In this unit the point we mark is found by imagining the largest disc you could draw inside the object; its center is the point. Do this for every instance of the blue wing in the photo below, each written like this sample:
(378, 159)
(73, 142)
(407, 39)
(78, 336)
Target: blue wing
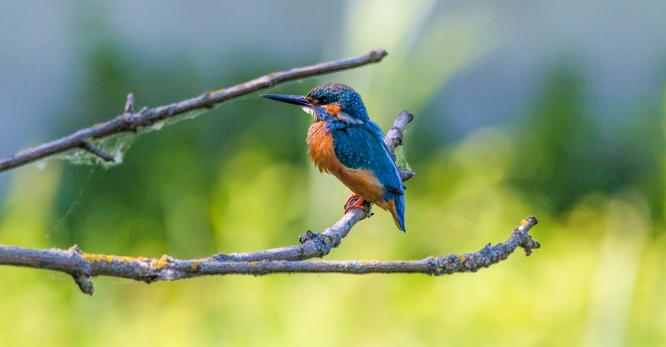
(362, 146)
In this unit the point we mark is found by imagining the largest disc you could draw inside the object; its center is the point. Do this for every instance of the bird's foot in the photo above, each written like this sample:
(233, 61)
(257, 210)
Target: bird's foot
(360, 203)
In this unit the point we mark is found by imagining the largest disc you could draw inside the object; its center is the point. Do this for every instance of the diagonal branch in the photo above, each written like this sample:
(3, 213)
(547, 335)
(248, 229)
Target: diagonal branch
(131, 121)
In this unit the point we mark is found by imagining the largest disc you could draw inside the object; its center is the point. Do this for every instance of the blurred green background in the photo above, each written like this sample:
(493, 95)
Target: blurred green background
(548, 108)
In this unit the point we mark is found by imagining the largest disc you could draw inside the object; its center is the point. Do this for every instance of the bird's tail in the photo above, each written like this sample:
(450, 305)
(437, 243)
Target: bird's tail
(398, 211)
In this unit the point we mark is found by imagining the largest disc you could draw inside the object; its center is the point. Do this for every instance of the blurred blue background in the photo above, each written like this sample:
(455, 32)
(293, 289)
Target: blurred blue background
(548, 108)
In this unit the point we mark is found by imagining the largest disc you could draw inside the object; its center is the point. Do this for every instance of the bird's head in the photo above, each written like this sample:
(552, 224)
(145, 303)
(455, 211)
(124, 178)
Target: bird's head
(330, 102)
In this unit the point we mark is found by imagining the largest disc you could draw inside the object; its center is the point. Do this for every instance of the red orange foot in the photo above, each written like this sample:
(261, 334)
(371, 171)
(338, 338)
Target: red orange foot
(358, 202)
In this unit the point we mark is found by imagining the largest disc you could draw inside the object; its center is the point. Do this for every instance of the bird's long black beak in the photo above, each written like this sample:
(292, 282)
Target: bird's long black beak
(290, 99)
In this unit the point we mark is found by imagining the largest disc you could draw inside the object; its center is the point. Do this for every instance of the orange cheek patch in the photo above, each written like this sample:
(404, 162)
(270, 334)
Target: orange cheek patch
(333, 108)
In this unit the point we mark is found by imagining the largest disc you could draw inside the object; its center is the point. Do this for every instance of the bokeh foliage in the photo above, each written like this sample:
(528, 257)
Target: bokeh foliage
(237, 178)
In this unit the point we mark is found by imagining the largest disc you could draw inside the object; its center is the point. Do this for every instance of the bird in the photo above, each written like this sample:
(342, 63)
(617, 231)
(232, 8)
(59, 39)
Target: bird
(342, 140)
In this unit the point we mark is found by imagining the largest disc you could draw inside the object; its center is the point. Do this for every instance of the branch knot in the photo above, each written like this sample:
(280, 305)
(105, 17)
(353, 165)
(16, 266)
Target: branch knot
(320, 241)
(81, 270)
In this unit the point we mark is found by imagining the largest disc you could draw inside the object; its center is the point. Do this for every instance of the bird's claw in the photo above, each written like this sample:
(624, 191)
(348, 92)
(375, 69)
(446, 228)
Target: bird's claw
(360, 203)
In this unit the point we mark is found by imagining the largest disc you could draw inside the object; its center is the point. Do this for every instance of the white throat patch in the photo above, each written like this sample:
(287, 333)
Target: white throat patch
(341, 116)
(310, 111)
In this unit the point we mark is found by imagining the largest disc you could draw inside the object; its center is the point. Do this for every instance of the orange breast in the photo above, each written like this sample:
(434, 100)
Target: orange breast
(360, 181)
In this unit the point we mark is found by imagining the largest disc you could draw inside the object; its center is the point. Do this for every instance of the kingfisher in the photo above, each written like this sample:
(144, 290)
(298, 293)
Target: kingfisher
(342, 140)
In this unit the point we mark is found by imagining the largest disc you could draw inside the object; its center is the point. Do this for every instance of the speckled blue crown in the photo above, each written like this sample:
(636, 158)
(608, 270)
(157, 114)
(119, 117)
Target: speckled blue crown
(350, 101)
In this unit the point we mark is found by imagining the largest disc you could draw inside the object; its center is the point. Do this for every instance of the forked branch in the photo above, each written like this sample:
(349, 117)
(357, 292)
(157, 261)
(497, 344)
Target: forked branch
(83, 266)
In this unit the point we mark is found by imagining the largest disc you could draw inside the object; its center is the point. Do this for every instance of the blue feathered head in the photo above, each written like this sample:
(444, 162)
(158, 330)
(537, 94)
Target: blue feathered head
(332, 102)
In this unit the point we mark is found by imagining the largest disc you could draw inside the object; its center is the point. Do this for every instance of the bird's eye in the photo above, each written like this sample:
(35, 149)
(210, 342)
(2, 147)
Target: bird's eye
(313, 100)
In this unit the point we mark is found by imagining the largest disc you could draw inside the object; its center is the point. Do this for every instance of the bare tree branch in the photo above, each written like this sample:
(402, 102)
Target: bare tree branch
(131, 121)
(84, 265)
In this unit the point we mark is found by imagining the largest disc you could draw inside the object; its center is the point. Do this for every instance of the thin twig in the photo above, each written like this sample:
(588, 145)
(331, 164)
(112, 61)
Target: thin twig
(130, 121)
(83, 265)
(394, 138)
(97, 150)
(129, 104)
